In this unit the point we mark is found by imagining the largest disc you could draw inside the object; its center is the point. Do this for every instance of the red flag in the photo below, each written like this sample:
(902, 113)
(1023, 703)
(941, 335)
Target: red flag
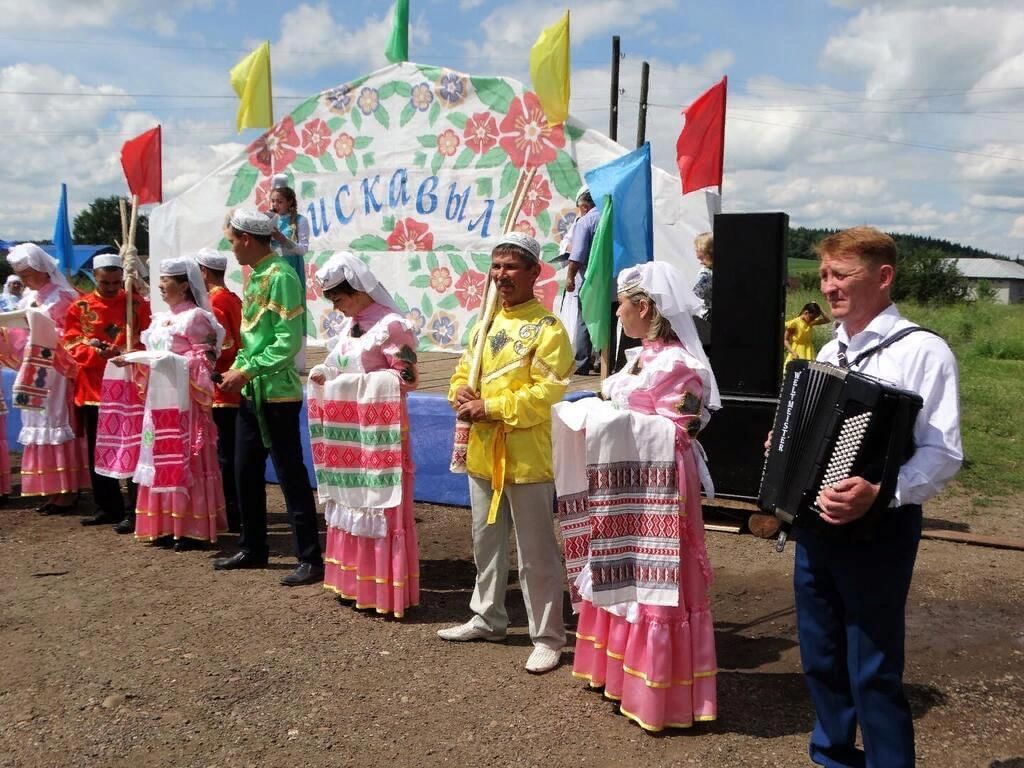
(700, 150)
(140, 158)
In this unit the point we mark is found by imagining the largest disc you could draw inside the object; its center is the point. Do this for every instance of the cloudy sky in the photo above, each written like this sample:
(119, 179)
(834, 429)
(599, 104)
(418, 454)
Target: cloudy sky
(907, 114)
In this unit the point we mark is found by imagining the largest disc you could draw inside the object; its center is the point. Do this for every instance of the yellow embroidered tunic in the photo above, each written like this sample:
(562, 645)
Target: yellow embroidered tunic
(526, 367)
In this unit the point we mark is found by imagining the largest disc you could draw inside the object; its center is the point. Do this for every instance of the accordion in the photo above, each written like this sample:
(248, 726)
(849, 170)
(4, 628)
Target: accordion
(833, 423)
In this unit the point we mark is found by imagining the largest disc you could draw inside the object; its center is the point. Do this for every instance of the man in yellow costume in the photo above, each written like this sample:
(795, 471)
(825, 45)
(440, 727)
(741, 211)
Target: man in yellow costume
(526, 366)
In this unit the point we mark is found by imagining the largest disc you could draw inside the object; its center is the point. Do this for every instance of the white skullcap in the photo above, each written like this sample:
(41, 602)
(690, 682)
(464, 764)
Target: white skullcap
(343, 267)
(107, 261)
(253, 222)
(211, 259)
(279, 180)
(523, 241)
(584, 190)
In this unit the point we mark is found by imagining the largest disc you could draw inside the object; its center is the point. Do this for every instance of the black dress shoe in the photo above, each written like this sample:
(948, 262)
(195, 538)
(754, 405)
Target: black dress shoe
(101, 518)
(306, 573)
(127, 525)
(239, 560)
(187, 545)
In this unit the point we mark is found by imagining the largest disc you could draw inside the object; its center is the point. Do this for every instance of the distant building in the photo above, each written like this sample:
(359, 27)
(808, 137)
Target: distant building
(1004, 277)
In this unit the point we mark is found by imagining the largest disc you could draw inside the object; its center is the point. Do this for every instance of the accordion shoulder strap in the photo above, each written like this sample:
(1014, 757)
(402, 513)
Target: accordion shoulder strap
(889, 342)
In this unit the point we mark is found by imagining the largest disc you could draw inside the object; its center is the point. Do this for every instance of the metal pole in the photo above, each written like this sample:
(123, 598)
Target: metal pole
(641, 120)
(613, 117)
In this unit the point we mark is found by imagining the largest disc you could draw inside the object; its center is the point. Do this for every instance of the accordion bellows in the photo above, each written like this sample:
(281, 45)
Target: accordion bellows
(833, 423)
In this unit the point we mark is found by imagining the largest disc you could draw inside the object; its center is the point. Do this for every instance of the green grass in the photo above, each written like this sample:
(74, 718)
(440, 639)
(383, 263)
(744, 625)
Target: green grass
(988, 341)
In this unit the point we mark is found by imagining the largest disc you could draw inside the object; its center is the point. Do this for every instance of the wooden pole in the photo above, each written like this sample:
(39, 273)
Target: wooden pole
(129, 287)
(721, 159)
(613, 116)
(124, 222)
(641, 120)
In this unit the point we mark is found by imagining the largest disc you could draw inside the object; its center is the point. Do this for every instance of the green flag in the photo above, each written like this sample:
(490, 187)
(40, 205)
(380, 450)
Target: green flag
(596, 291)
(398, 43)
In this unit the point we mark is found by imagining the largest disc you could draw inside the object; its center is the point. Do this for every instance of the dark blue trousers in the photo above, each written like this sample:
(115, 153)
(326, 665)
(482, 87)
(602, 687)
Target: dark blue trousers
(250, 470)
(851, 599)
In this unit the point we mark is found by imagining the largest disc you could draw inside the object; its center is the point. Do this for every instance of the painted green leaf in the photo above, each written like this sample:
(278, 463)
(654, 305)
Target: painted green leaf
(408, 113)
(484, 186)
(352, 164)
(368, 160)
(419, 159)
(564, 175)
(401, 303)
(431, 73)
(369, 243)
(435, 112)
(458, 119)
(305, 109)
(428, 308)
(420, 281)
(322, 258)
(494, 92)
(308, 189)
(328, 162)
(236, 276)
(481, 261)
(357, 119)
(448, 302)
(242, 186)
(415, 264)
(509, 177)
(335, 123)
(223, 245)
(403, 89)
(427, 140)
(303, 164)
(386, 91)
(574, 132)
(504, 212)
(310, 325)
(388, 224)
(363, 142)
(432, 261)
(549, 252)
(358, 82)
(436, 163)
(458, 263)
(493, 158)
(464, 159)
(382, 116)
(445, 247)
(543, 224)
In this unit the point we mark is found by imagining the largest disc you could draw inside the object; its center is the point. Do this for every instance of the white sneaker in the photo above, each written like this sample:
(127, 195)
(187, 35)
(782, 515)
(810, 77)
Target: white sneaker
(467, 632)
(543, 659)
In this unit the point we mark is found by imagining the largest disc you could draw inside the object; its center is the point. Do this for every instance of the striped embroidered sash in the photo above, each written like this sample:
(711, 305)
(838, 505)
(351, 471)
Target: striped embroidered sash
(119, 426)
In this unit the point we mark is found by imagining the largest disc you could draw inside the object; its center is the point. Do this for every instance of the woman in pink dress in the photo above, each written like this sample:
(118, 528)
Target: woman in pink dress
(658, 662)
(54, 462)
(194, 514)
(372, 553)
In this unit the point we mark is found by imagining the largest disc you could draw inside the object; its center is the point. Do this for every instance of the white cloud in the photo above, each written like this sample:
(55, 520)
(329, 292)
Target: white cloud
(468, 5)
(1017, 230)
(997, 202)
(20, 16)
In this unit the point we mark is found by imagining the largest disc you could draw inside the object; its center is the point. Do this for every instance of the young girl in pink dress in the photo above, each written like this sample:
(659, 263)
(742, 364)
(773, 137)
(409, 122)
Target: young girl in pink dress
(195, 514)
(54, 462)
(372, 555)
(658, 662)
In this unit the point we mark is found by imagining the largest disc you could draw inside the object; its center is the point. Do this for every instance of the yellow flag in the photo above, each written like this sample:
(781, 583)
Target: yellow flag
(251, 80)
(549, 70)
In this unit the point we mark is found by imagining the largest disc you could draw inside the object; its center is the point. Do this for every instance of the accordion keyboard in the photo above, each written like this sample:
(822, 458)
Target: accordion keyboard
(847, 446)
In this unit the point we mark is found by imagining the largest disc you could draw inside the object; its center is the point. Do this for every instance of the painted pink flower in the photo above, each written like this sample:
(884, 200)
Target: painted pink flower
(469, 289)
(526, 228)
(546, 287)
(274, 151)
(447, 142)
(313, 289)
(316, 137)
(410, 235)
(441, 279)
(344, 145)
(538, 196)
(263, 190)
(481, 133)
(526, 135)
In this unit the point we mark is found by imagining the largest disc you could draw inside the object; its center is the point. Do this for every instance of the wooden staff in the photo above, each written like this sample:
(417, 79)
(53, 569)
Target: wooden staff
(128, 286)
(488, 308)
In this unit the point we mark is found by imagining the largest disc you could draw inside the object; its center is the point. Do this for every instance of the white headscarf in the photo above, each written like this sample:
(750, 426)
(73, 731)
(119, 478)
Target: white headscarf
(186, 265)
(344, 267)
(32, 256)
(677, 303)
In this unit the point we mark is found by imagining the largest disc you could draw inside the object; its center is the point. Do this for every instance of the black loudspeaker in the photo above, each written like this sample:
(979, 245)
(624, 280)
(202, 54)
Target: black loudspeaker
(748, 302)
(734, 442)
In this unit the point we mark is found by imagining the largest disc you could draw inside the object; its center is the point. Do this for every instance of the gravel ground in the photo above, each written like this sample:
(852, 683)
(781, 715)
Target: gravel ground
(122, 654)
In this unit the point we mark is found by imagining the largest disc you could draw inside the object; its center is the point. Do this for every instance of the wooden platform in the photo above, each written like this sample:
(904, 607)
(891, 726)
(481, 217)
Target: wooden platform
(436, 369)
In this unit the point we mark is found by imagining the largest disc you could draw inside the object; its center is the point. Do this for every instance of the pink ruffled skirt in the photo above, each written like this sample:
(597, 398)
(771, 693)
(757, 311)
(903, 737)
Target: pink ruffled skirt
(200, 514)
(382, 574)
(5, 458)
(48, 470)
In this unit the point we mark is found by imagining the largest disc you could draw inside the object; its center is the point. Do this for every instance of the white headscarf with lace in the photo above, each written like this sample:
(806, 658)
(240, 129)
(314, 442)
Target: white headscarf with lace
(344, 267)
(677, 303)
(32, 256)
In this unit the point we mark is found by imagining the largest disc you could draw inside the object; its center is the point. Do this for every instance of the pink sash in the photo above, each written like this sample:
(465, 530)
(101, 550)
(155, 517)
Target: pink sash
(119, 430)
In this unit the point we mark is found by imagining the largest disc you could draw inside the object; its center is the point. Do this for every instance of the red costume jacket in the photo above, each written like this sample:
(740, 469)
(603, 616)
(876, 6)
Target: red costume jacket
(227, 308)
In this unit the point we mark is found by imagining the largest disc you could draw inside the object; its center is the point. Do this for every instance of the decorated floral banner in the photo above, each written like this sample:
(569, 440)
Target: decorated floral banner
(413, 169)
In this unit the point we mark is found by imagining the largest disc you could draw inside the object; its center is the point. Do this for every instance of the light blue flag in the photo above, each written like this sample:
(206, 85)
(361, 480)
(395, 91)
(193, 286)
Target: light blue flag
(62, 235)
(628, 181)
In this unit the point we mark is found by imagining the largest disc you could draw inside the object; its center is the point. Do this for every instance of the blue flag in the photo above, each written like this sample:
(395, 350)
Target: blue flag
(628, 181)
(62, 235)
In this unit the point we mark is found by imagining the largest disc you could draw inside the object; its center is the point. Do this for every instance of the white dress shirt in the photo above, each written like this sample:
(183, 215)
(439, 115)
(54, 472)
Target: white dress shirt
(922, 363)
